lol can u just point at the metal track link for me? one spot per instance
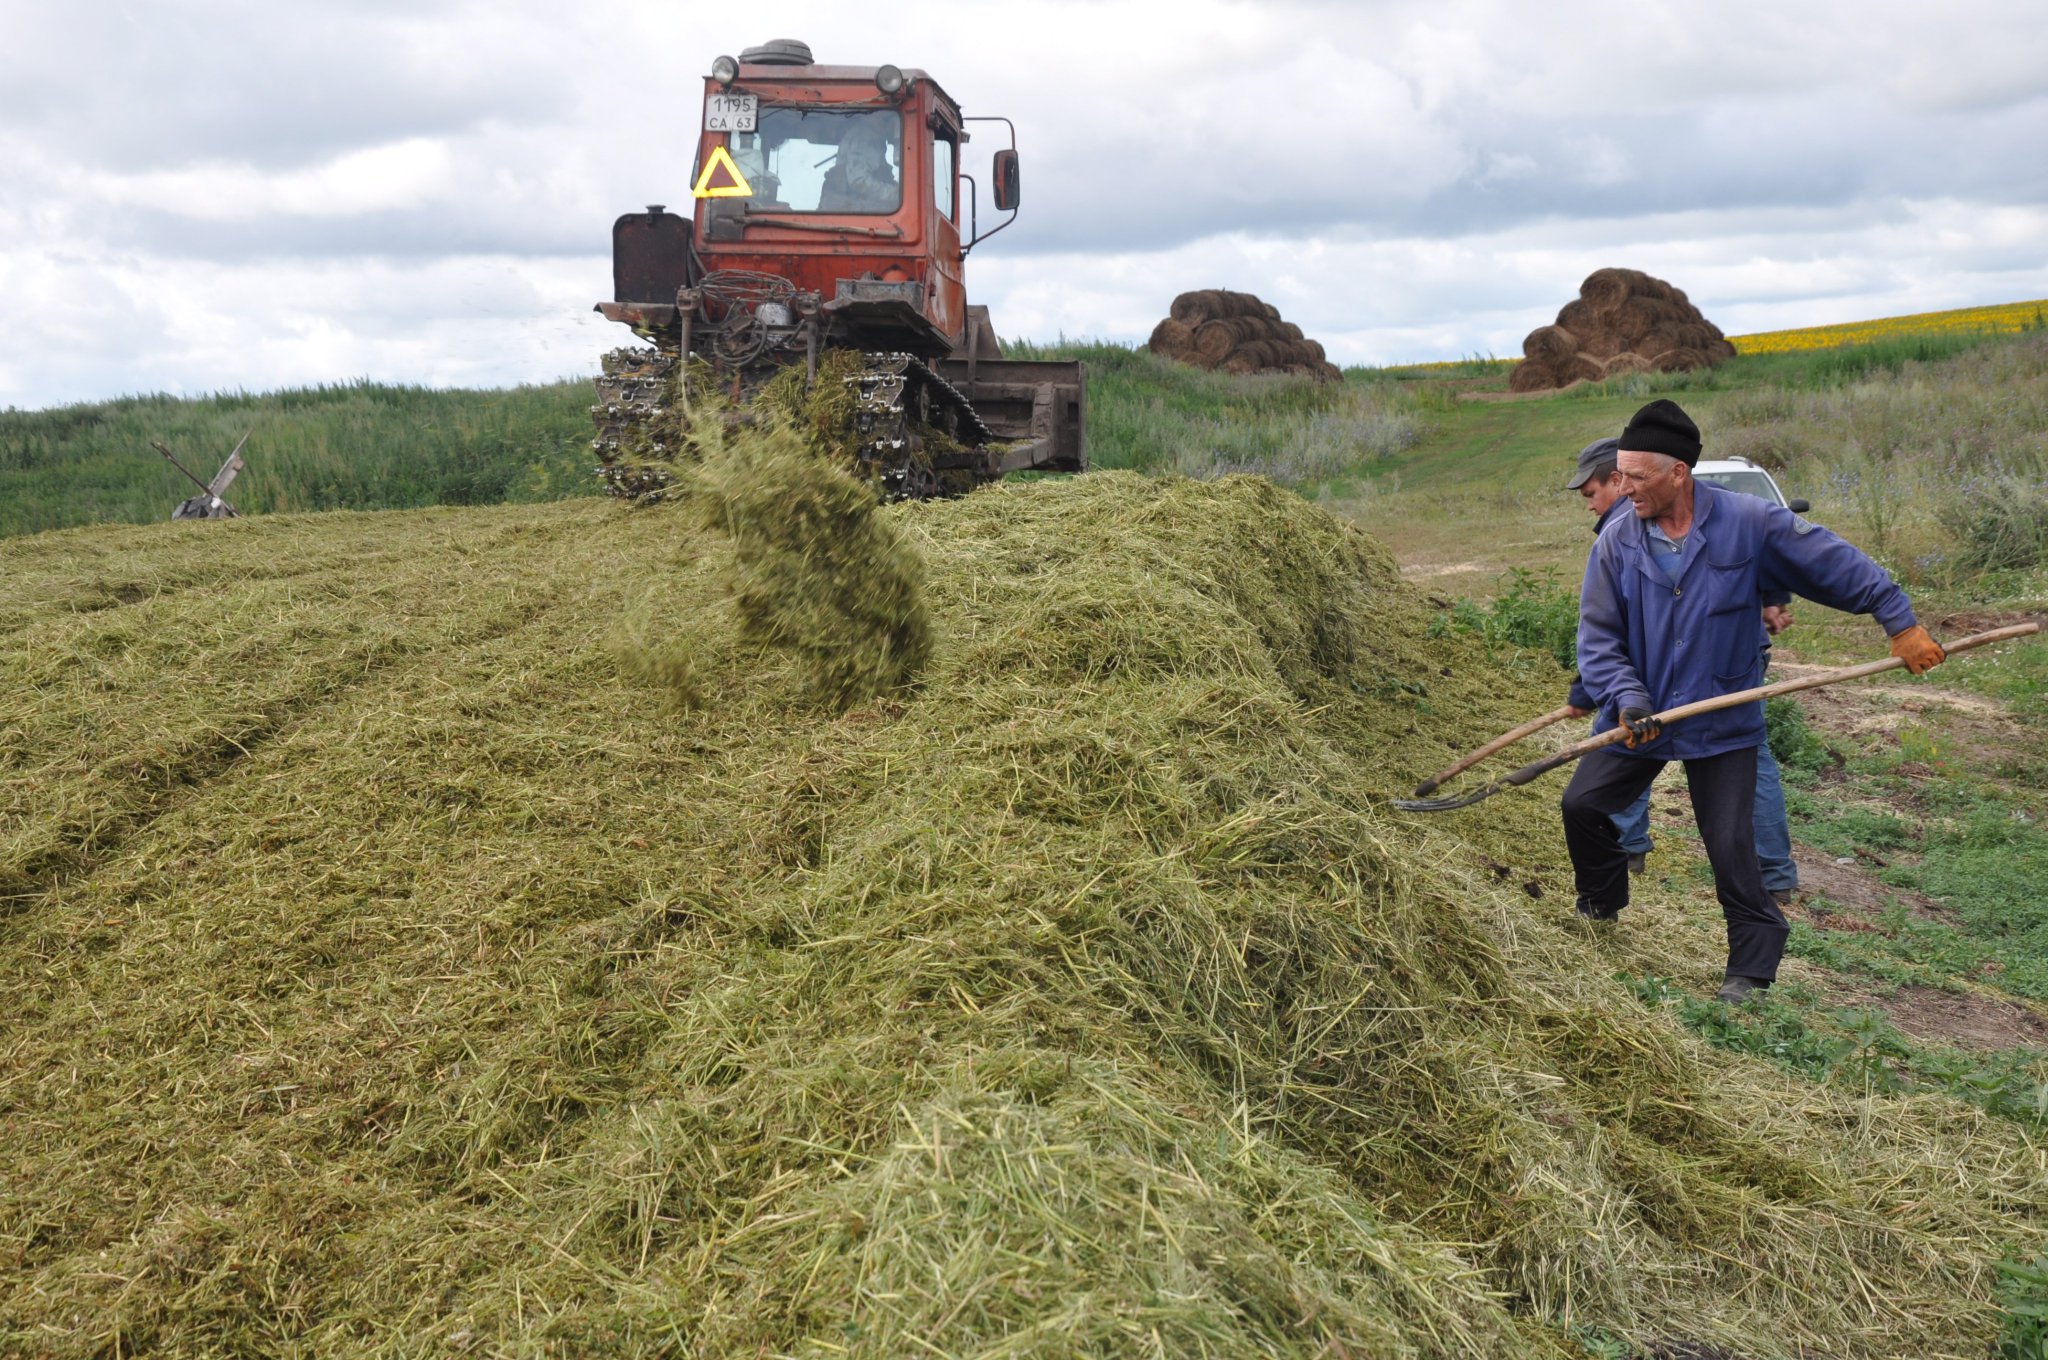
(631, 392)
(897, 397)
(914, 434)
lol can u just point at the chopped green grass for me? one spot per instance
(385, 972)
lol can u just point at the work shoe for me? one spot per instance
(1737, 990)
(1784, 896)
(1596, 913)
(1635, 862)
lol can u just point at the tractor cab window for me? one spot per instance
(823, 160)
(943, 157)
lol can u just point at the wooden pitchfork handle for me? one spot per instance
(1615, 734)
(1501, 742)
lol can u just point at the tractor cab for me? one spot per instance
(844, 182)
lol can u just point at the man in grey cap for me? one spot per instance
(1600, 489)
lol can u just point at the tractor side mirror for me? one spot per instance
(1008, 188)
(1799, 505)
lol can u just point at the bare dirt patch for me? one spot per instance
(1967, 621)
(1852, 891)
(1965, 1019)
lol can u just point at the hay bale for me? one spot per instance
(1679, 360)
(1174, 339)
(1216, 304)
(1552, 345)
(1618, 312)
(1237, 333)
(1579, 317)
(1582, 368)
(1606, 289)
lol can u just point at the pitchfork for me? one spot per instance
(1612, 735)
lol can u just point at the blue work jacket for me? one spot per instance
(1647, 641)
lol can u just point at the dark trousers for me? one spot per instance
(1723, 803)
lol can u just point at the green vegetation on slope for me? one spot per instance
(359, 446)
(384, 975)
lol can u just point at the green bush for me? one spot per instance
(1535, 612)
(1796, 745)
(2023, 1290)
(2000, 521)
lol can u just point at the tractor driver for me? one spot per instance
(861, 179)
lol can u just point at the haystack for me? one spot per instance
(385, 974)
(1623, 321)
(1214, 328)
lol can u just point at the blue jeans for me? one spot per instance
(1773, 831)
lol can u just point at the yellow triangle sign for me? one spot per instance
(721, 178)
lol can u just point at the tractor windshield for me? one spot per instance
(823, 160)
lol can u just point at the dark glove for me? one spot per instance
(1920, 652)
(1643, 727)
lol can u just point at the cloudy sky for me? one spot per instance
(207, 195)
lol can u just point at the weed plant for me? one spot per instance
(1534, 612)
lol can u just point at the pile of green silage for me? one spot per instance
(385, 973)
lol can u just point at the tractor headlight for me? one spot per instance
(889, 80)
(725, 71)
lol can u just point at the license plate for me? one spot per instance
(730, 112)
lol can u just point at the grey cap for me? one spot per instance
(1597, 456)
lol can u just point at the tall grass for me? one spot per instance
(1934, 463)
(353, 446)
(1153, 414)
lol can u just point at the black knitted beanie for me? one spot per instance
(1662, 427)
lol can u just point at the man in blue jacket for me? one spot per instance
(1670, 613)
(1598, 483)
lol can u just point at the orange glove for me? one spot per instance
(1920, 652)
(1643, 727)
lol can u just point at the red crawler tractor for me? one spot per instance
(832, 214)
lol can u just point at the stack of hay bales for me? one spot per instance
(1214, 328)
(1623, 321)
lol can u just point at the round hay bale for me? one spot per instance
(1607, 289)
(1531, 375)
(1214, 340)
(1579, 317)
(1626, 362)
(1242, 365)
(1632, 320)
(1315, 350)
(1173, 339)
(1192, 309)
(1290, 331)
(1332, 372)
(1678, 361)
(1272, 312)
(1215, 304)
(1552, 344)
(1583, 368)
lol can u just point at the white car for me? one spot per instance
(1739, 474)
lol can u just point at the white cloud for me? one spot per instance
(249, 195)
